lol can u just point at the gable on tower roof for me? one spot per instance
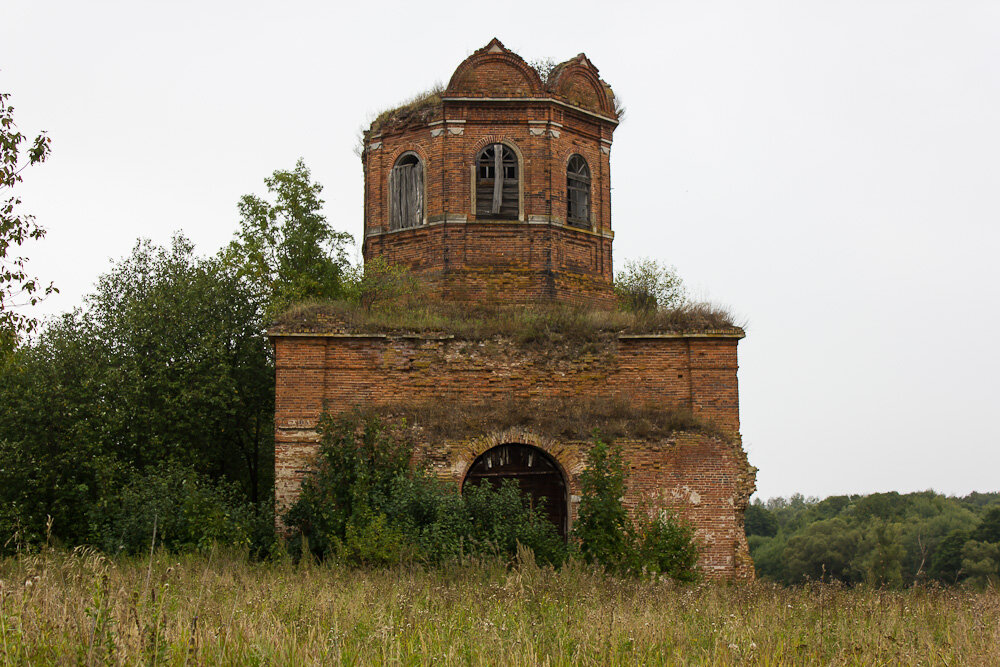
(495, 71)
(578, 82)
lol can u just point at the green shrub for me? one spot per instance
(365, 506)
(186, 509)
(666, 546)
(602, 526)
(359, 459)
(606, 534)
(502, 518)
(645, 285)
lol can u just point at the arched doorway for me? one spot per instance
(536, 473)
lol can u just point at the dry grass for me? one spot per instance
(177, 610)
(526, 324)
(572, 419)
(417, 109)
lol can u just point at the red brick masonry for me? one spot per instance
(495, 97)
(706, 479)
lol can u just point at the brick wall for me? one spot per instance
(707, 479)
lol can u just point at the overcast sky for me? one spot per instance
(830, 170)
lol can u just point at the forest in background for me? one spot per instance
(881, 539)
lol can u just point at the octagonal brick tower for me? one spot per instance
(497, 189)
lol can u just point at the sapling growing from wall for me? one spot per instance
(646, 286)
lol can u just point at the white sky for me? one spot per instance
(828, 169)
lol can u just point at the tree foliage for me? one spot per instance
(602, 525)
(165, 369)
(167, 363)
(17, 287)
(285, 248)
(646, 285)
(608, 536)
(884, 539)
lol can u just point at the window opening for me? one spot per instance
(497, 183)
(578, 192)
(406, 188)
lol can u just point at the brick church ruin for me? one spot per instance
(496, 191)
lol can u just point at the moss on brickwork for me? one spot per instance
(524, 324)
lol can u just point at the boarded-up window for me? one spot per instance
(406, 188)
(578, 192)
(497, 183)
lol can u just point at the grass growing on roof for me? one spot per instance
(417, 109)
(525, 324)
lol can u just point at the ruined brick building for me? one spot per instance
(496, 190)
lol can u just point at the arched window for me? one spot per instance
(497, 183)
(406, 193)
(578, 192)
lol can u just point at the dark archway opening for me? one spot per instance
(536, 473)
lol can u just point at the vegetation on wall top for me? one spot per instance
(418, 109)
(525, 324)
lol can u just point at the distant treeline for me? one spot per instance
(888, 539)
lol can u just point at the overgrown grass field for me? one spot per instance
(83, 608)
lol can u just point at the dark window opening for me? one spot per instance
(535, 472)
(578, 192)
(497, 197)
(406, 193)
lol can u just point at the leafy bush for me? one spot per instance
(666, 546)
(645, 285)
(364, 505)
(379, 283)
(602, 526)
(608, 536)
(359, 460)
(187, 510)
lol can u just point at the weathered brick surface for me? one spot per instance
(706, 479)
(495, 97)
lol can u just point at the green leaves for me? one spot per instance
(645, 286)
(608, 536)
(168, 363)
(883, 539)
(285, 248)
(365, 505)
(16, 287)
(603, 526)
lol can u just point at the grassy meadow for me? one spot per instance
(81, 607)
